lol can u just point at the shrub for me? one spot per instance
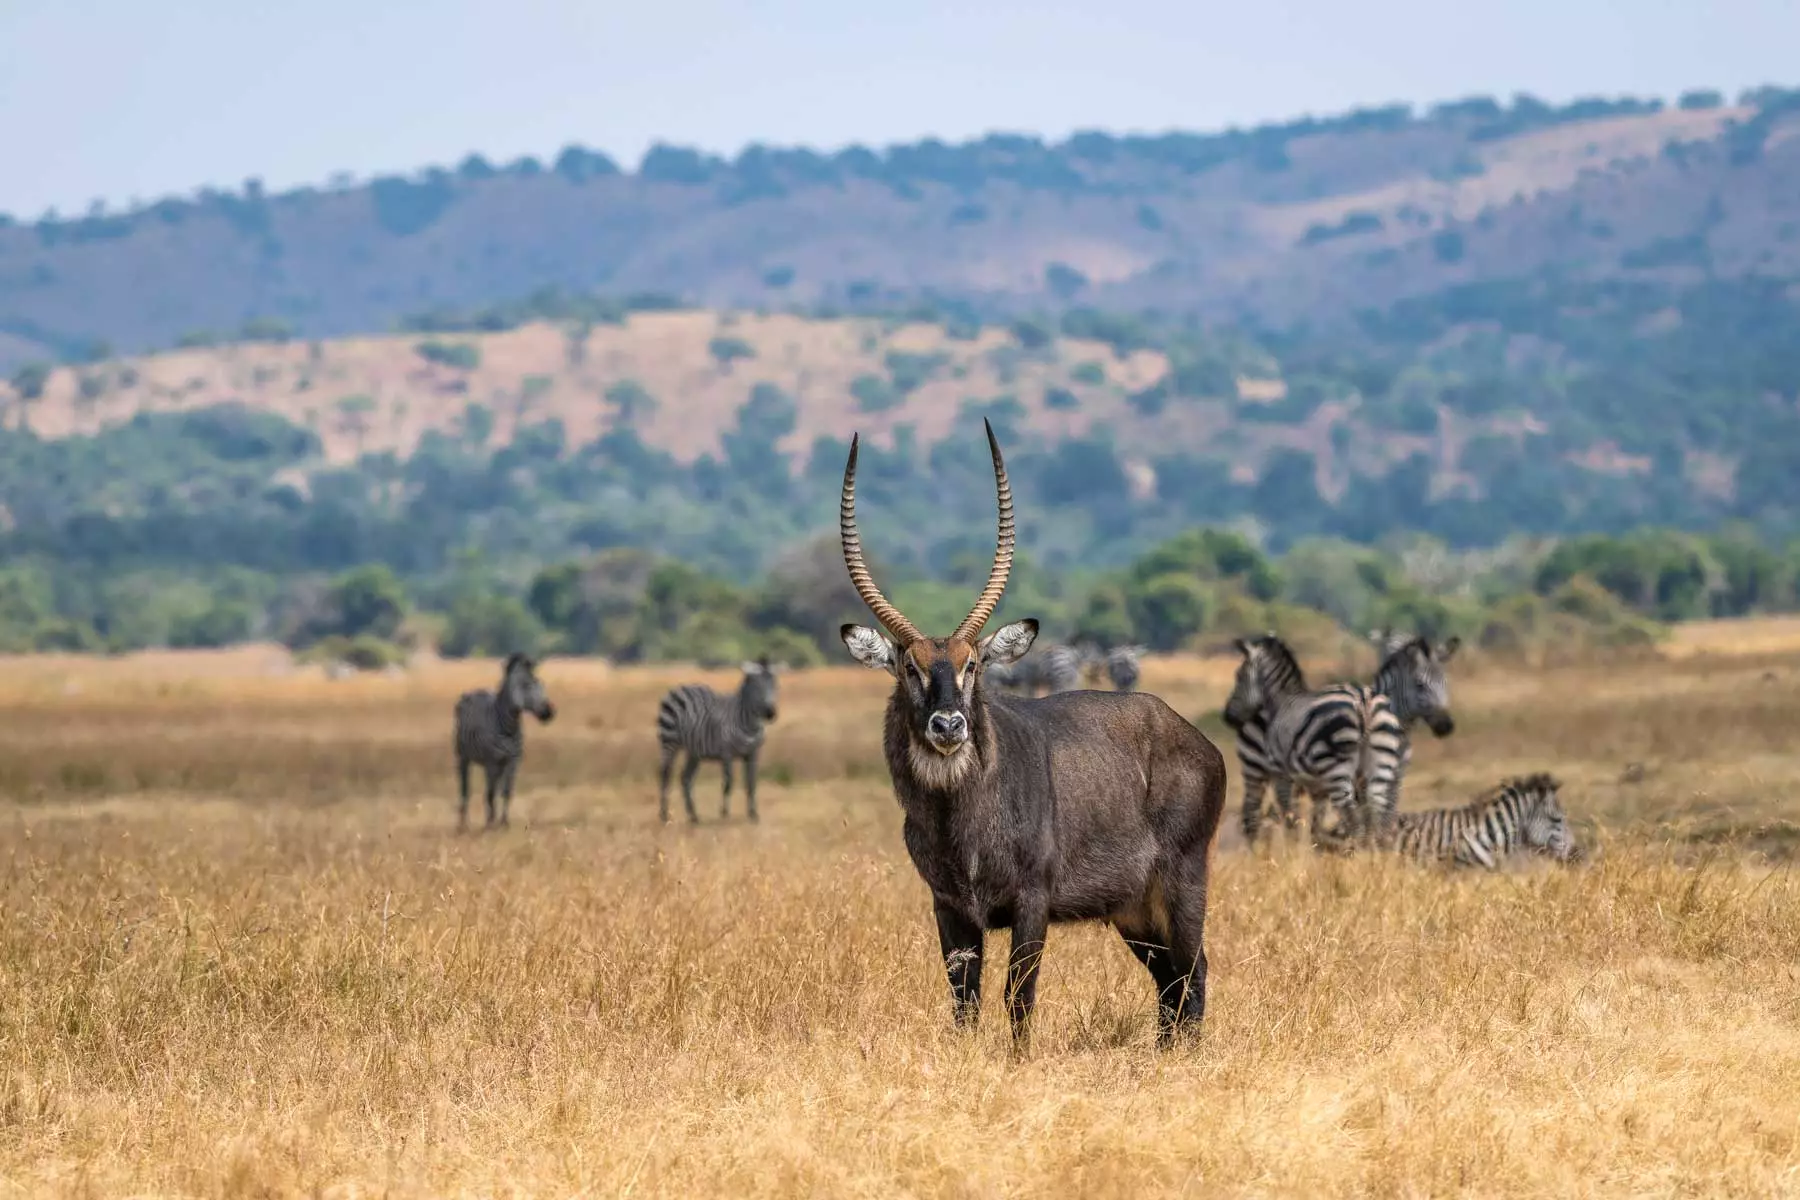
(30, 380)
(727, 350)
(463, 356)
(874, 394)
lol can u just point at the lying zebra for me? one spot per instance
(490, 731)
(721, 729)
(1521, 814)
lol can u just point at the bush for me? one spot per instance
(874, 394)
(727, 350)
(464, 356)
(30, 380)
(487, 624)
(365, 653)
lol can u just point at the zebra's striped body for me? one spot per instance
(1340, 744)
(490, 731)
(1521, 814)
(1124, 667)
(1053, 669)
(714, 728)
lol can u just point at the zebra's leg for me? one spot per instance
(725, 794)
(1255, 785)
(750, 785)
(507, 774)
(462, 784)
(668, 768)
(1284, 800)
(491, 774)
(1341, 797)
(688, 770)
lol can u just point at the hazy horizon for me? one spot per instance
(118, 104)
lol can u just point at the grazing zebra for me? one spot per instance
(722, 729)
(1524, 813)
(1340, 743)
(490, 731)
(1124, 666)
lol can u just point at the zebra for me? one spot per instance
(1339, 744)
(1054, 669)
(1124, 666)
(1523, 813)
(1411, 676)
(489, 731)
(709, 726)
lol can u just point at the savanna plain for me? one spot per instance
(243, 952)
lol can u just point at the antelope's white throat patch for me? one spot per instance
(937, 770)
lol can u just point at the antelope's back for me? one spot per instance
(1126, 758)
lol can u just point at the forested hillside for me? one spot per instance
(1308, 220)
(1628, 364)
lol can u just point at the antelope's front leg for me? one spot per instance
(1031, 924)
(961, 942)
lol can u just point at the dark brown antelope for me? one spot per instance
(1078, 806)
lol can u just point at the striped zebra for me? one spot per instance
(1521, 814)
(1124, 667)
(716, 728)
(490, 731)
(1411, 675)
(1339, 744)
(1052, 669)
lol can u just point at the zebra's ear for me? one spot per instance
(868, 647)
(1242, 646)
(1448, 649)
(1008, 644)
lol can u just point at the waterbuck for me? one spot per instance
(1082, 805)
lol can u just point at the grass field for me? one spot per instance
(243, 953)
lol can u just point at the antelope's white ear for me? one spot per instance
(1008, 644)
(868, 647)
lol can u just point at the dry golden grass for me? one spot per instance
(241, 952)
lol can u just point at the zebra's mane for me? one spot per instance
(1278, 663)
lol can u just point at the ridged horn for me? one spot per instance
(886, 613)
(1003, 550)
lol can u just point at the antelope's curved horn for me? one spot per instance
(886, 613)
(1003, 550)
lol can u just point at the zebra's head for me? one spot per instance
(526, 691)
(1545, 825)
(760, 686)
(1268, 674)
(1412, 677)
(935, 679)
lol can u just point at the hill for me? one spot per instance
(1308, 221)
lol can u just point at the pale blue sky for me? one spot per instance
(119, 99)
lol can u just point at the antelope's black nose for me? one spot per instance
(947, 724)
